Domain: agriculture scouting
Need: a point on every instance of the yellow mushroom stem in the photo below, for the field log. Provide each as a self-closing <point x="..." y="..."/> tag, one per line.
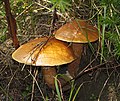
<point x="73" y="67"/>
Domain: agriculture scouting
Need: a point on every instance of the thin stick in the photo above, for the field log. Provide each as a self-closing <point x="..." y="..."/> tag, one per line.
<point x="11" y="24"/>
<point x="37" y="84"/>
<point x="33" y="84"/>
<point x="104" y="86"/>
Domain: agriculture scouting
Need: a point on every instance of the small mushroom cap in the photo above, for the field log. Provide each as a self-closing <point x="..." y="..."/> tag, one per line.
<point x="78" y="31"/>
<point x="44" y="52"/>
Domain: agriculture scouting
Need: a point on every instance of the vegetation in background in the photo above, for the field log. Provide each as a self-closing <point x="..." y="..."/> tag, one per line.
<point x="109" y="17"/>
<point x="61" y="5"/>
<point x="3" y="23"/>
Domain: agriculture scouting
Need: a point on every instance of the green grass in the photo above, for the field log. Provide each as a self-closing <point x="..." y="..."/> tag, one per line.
<point x="103" y="34"/>
<point x="73" y="92"/>
<point x="108" y="17"/>
<point x="61" y="5"/>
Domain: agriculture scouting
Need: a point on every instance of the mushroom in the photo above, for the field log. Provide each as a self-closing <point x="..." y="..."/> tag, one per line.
<point x="45" y="52"/>
<point x="77" y="32"/>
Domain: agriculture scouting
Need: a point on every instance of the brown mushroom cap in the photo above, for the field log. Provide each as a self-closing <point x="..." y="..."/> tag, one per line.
<point x="78" y="31"/>
<point x="38" y="52"/>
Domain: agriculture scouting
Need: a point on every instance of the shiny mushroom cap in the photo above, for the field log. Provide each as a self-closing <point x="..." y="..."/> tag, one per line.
<point x="44" y="52"/>
<point x="78" y="31"/>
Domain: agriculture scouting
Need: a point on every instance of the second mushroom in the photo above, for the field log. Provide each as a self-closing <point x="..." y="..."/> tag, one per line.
<point x="77" y="32"/>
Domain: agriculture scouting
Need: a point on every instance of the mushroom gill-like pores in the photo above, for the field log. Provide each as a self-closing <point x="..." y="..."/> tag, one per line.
<point x="76" y="32"/>
<point x="47" y="53"/>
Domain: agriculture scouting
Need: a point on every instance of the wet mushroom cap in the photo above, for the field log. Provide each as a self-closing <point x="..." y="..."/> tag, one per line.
<point x="44" y="52"/>
<point x="78" y="31"/>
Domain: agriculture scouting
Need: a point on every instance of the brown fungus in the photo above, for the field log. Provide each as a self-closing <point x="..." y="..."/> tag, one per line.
<point x="76" y="32"/>
<point x="46" y="53"/>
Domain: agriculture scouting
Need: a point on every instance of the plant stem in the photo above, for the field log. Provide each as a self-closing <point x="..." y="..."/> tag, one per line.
<point x="103" y="35"/>
<point x="11" y="23"/>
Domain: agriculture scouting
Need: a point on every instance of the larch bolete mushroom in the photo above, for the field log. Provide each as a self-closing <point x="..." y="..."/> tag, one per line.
<point x="76" y="32"/>
<point x="45" y="52"/>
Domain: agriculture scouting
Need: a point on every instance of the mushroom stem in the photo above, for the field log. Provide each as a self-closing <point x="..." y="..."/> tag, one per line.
<point x="49" y="74"/>
<point x="74" y="66"/>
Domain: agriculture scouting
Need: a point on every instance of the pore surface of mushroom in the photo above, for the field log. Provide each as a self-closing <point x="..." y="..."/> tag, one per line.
<point x="77" y="32"/>
<point x="45" y="52"/>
